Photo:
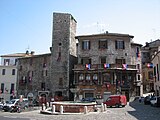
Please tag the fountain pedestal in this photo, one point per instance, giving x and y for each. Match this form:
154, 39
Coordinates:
74, 91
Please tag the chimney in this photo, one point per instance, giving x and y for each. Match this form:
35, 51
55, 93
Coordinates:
27, 52
32, 52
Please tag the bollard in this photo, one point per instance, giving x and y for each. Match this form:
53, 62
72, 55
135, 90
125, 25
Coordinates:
102, 107
61, 109
105, 107
53, 109
47, 105
95, 108
43, 106
85, 110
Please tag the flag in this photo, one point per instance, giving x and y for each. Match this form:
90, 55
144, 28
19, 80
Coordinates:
137, 55
88, 66
124, 66
13, 92
106, 65
150, 65
30, 79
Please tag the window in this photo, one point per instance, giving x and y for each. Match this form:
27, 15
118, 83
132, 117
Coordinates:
138, 66
95, 77
12, 88
137, 50
44, 65
2, 87
44, 73
103, 44
106, 77
44, 61
16, 61
88, 77
120, 61
24, 79
43, 86
139, 77
81, 77
59, 52
157, 72
85, 45
119, 44
154, 72
103, 60
3, 71
32, 73
85, 61
6, 61
13, 71
150, 75
20, 68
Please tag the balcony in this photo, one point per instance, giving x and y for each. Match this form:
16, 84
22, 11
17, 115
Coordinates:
101, 67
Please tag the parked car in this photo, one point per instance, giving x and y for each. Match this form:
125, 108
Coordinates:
88, 99
147, 100
153, 101
15, 102
7, 106
1, 105
158, 102
116, 100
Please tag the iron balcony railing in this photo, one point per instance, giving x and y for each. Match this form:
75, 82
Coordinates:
102, 66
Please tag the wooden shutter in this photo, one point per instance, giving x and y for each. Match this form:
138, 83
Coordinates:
123, 45
116, 44
82, 45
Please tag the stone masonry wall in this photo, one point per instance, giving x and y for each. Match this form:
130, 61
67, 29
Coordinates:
38, 69
111, 53
63, 45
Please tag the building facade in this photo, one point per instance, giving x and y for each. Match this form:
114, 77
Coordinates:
8, 75
34, 76
51, 75
63, 54
148, 51
96, 66
156, 72
107, 64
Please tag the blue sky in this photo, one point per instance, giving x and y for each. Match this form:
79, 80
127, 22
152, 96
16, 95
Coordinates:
27, 24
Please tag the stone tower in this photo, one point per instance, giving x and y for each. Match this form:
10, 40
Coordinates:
63, 53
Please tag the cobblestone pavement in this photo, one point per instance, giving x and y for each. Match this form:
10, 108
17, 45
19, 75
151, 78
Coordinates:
133, 111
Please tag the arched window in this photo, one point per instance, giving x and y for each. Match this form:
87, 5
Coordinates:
81, 77
88, 77
95, 77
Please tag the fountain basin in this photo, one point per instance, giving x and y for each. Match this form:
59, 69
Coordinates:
74, 107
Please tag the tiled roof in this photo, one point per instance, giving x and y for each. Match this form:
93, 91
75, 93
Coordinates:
107, 34
17, 55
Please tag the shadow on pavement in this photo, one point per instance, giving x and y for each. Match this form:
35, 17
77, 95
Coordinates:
144, 112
